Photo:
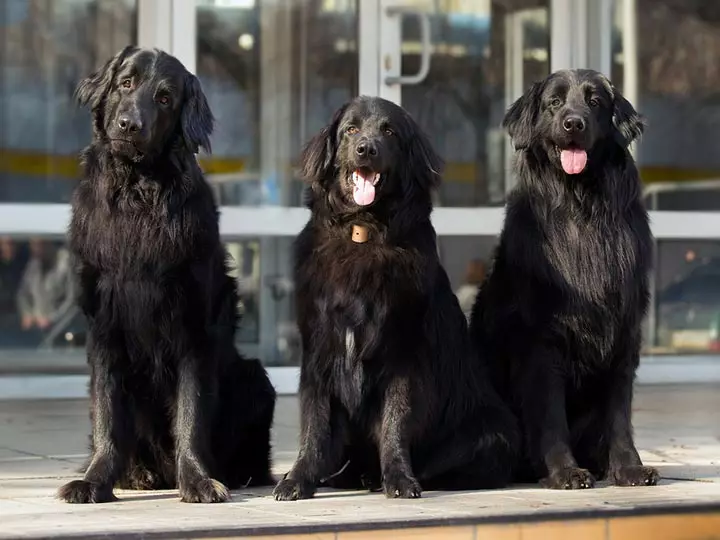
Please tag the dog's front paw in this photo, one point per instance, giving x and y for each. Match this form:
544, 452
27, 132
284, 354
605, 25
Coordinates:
206, 490
289, 489
401, 486
84, 492
636, 476
569, 478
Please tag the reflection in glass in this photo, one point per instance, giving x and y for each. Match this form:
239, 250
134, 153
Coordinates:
46, 46
678, 77
687, 308
485, 53
273, 72
38, 294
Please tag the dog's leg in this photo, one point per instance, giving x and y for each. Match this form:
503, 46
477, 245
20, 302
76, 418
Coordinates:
195, 405
544, 418
394, 442
625, 467
322, 438
112, 431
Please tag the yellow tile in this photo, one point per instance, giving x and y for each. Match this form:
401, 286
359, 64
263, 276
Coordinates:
497, 532
587, 529
418, 533
677, 527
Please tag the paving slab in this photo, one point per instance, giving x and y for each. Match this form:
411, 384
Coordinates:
43, 443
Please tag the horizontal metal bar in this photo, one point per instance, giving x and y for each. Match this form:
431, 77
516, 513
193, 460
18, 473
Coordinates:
237, 221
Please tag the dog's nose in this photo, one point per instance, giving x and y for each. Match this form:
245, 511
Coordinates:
126, 123
366, 148
574, 123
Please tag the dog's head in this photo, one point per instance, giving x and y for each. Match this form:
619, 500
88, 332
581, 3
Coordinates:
569, 115
145, 100
371, 151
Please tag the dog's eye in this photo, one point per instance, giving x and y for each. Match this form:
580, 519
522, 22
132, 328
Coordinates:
556, 102
163, 100
389, 132
352, 130
594, 102
126, 83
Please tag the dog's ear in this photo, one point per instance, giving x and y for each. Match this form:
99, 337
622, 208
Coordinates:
424, 165
92, 90
317, 159
521, 116
628, 123
196, 118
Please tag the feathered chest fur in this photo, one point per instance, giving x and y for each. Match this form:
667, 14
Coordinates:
593, 257
357, 290
123, 235
117, 239
369, 273
127, 217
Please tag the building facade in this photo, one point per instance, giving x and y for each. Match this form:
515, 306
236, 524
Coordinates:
275, 70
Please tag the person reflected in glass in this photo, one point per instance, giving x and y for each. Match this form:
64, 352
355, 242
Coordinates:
46, 290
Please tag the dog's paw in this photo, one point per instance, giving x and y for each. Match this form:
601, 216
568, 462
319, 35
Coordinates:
401, 486
206, 490
569, 478
141, 479
83, 492
636, 476
292, 490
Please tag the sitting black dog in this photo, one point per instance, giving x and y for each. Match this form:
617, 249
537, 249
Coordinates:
388, 381
172, 402
559, 317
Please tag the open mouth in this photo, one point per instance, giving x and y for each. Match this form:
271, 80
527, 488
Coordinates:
572, 159
364, 182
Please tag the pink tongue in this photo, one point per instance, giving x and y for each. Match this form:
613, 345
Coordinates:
364, 190
573, 161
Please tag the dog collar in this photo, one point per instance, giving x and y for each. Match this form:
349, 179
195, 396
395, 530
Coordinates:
359, 234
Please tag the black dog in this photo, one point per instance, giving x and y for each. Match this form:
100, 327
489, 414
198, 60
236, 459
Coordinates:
387, 382
172, 402
559, 317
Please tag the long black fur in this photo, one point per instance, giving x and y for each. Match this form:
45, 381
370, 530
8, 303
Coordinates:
172, 402
388, 387
559, 317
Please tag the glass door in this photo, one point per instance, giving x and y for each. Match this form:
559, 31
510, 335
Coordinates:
456, 65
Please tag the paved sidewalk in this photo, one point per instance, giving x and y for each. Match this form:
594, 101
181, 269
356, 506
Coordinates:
43, 442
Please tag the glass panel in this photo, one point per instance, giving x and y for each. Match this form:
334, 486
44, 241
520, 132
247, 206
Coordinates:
484, 54
40, 321
466, 260
274, 72
37, 296
38, 314
678, 74
46, 46
687, 303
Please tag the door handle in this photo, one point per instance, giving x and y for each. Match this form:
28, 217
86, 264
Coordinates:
425, 44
